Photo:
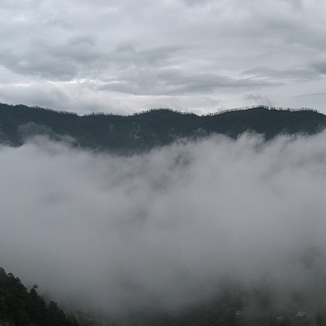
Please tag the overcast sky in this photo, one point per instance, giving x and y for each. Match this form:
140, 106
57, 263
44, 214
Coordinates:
191, 55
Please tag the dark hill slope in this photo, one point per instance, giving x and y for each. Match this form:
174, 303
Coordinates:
268, 122
22, 307
130, 134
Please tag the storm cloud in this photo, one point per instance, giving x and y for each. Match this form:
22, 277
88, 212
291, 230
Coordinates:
164, 229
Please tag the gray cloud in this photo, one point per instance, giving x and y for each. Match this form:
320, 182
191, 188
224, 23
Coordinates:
172, 82
259, 99
282, 76
48, 60
319, 64
197, 2
44, 95
162, 229
133, 46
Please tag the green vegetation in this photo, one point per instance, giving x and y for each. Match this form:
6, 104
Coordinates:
144, 131
22, 307
232, 306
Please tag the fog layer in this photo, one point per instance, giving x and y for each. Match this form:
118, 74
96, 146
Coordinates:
162, 229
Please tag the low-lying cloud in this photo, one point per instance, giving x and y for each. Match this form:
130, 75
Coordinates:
162, 229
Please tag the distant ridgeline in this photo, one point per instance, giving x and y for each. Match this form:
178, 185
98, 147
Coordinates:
143, 131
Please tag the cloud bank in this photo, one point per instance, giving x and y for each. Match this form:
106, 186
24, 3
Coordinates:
161, 230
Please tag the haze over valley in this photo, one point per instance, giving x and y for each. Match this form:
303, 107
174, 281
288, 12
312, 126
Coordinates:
162, 163
168, 229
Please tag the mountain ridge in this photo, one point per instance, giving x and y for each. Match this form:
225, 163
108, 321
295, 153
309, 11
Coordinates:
146, 130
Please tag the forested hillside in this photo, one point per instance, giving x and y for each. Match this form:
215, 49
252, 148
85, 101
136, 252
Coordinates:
139, 132
212, 232
20, 306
